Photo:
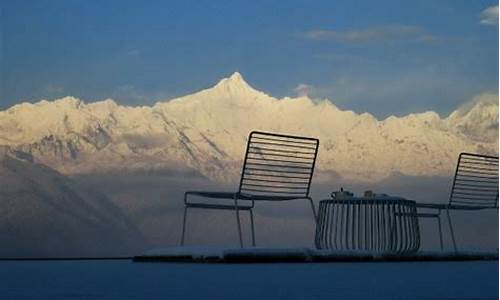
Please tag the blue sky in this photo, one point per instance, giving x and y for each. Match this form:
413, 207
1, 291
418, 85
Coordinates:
384, 57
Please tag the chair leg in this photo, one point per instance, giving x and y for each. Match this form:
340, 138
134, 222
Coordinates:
451, 230
440, 232
315, 221
313, 210
252, 227
238, 220
184, 225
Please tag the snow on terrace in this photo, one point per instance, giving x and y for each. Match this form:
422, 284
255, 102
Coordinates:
300, 254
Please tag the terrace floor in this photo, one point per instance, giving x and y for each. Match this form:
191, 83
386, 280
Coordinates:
299, 255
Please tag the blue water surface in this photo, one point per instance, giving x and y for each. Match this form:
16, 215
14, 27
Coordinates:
124, 279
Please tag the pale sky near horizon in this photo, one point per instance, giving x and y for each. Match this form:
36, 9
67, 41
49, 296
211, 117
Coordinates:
384, 57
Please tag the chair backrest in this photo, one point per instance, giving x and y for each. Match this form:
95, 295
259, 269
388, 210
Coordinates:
476, 181
278, 165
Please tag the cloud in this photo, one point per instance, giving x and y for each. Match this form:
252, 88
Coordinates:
488, 98
303, 89
133, 95
366, 87
373, 34
54, 89
489, 16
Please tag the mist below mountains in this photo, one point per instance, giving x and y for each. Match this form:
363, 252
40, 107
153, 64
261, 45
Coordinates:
154, 203
48, 214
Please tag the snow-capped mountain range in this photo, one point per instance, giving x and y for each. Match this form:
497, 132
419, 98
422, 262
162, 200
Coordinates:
207, 131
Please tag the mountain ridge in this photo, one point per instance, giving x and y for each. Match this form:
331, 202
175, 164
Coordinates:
206, 131
45, 213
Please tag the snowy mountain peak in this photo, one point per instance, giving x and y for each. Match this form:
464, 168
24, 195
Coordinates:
486, 103
477, 119
232, 90
108, 104
236, 76
67, 102
234, 84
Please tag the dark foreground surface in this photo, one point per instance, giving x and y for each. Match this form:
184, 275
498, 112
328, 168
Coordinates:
125, 279
300, 255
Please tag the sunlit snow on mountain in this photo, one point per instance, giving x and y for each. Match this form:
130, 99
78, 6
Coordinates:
206, 132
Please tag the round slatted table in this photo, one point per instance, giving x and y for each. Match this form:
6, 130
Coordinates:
376, 224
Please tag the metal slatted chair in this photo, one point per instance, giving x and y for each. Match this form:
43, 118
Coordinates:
475, 187
276, 167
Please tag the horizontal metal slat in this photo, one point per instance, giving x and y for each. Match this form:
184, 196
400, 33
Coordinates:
274, 187
474, 180
299, 140
479, 203
281, 160
275, 181
472, 167
279, 166
277, 176
478, 176
484, 194
467, 171
278, 171
479, 159
478, 155
473, 199
483, 163
489, 184
282, 145
480, 189
274, 192
263, 150
281, 155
